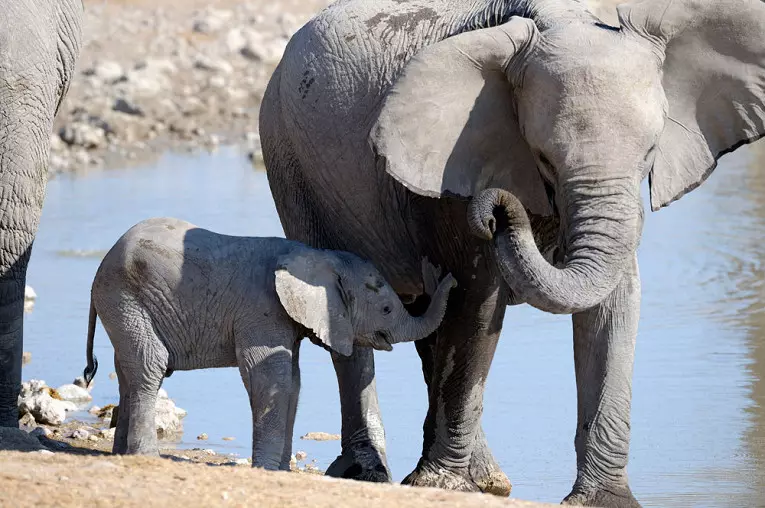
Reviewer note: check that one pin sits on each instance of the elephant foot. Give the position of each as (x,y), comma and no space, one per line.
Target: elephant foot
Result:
(362,464)
(619,498)
(485,472)
(431,476)
(493,482)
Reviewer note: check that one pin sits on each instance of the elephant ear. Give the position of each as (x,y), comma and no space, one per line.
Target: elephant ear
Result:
(448,125)
(311,291)
(714,80)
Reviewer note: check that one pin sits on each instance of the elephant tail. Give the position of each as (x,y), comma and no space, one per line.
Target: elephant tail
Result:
(90,370)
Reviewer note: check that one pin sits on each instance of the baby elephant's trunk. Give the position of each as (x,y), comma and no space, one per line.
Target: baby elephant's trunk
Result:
(416,328)
(90,370)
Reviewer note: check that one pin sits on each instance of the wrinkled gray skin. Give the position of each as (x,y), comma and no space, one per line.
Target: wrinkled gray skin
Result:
(39,44)
(380,106)
(172,297)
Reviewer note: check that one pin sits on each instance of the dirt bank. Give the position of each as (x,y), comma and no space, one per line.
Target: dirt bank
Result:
(176,74)
(33,479)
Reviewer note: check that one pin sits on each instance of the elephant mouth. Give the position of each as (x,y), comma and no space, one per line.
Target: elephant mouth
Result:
(382,341)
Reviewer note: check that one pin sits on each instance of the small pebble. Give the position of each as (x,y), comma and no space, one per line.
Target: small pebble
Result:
(300,455)
(228,438)
(224,496)
(202,437)
(112,375)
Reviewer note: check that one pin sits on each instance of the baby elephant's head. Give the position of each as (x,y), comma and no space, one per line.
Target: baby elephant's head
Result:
(342,299)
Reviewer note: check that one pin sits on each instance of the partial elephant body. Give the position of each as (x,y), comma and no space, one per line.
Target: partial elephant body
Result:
(172,297)
(39,44)
(378,107)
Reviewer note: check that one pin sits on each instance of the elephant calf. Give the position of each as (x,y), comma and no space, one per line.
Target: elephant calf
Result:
(173,296)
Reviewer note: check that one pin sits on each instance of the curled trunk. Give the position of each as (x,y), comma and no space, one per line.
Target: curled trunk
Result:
(416,328)
(603,234)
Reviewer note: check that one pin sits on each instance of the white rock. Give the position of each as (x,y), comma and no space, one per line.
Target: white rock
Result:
(83,134)
(44,408)
(206,63)
(107,433)
(80,434)
(211,20)
(44,452)
(217,81)
(94,410)
(29,294)
(168,418)
(157,66)
(107,71)
(74,393)
(162,394)
(266,52)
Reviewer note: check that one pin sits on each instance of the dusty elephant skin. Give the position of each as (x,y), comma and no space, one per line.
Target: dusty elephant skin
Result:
(173,296)
(39,43)
(536,109)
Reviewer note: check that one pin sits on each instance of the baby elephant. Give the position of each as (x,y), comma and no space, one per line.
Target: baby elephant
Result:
(173,296)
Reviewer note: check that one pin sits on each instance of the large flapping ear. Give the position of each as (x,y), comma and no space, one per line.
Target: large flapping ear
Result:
(714,80)
(310,290)
(448,125)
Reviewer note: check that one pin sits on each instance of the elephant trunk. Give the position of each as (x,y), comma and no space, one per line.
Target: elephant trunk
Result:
(603,234)
(415,328)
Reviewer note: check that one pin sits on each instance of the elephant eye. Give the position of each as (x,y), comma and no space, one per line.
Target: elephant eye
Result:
(386,310)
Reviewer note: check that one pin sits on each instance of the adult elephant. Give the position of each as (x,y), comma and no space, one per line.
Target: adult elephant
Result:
(384,117)
(39,43)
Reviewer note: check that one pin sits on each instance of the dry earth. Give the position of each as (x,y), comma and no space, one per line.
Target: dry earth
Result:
(65,480)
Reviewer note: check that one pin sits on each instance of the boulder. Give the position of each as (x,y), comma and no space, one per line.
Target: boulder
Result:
(107,71)
(73,393)
(83,134)
(211,20)
(43,403)
(168,416)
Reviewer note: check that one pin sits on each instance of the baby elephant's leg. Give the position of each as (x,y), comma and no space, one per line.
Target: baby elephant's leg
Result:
(142,360)
(292,411)
(267,375)
(120,445)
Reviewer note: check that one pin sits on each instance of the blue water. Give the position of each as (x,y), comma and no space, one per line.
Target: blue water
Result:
(698,421)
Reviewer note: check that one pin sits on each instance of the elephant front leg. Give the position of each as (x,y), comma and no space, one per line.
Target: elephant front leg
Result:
(363,437)
(483,470)
(455,454)
(604,350)
(11,331)
(19,215)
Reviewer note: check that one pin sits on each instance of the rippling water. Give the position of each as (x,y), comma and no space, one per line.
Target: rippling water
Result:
(698,421)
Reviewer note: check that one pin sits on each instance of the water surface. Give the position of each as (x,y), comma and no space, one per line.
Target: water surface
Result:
(698,421)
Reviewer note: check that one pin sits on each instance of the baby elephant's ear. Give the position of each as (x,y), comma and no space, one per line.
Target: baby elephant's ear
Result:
(311,291)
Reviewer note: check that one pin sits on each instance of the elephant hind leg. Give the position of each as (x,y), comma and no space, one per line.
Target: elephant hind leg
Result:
(120,445)
(141,360)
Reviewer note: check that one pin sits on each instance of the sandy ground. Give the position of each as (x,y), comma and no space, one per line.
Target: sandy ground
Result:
(31,479)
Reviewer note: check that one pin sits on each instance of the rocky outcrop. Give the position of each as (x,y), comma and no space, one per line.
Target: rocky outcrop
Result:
(43,403)
(153,78)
